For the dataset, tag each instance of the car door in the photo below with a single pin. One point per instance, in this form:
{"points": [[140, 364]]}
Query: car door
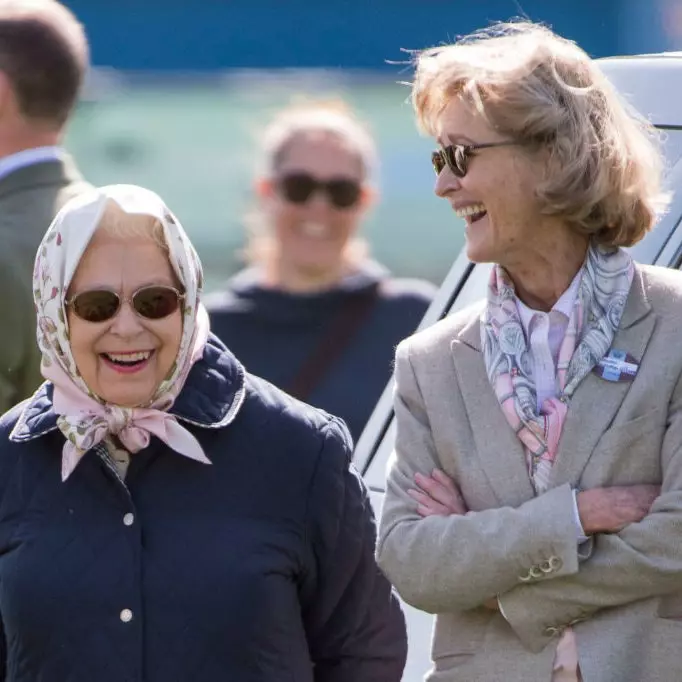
{"points": [[647, 83]]}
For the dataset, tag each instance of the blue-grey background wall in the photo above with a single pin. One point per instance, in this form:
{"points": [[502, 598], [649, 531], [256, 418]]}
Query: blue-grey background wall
{"points": [[219, 34]]}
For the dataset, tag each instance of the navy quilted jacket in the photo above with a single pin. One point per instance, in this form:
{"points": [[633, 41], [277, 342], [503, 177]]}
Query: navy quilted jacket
{"points": [[257, 568]]}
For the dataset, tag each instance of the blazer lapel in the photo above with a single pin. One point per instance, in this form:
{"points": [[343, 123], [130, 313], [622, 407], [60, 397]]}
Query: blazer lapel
{"points": [[500, 451], [596, 401]]}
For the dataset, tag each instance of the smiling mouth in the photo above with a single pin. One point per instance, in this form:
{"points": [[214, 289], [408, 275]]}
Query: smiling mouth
{"points": [[471, 213], [127, 361]]}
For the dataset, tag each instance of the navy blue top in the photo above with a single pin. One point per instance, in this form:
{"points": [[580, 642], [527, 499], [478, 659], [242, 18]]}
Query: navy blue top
{"points": [[273, 332], [256, 568]]}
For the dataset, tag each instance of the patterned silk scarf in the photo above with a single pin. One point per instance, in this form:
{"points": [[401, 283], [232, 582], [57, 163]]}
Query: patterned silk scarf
{"points": [[84, 418], [604, 287]]}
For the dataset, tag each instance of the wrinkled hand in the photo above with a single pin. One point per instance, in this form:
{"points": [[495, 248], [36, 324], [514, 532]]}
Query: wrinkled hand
{"points": [[609, 510], [437, 495]]}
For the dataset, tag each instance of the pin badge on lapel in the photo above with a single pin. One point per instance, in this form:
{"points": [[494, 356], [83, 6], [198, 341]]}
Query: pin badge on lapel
{"points": [[617, 365]]}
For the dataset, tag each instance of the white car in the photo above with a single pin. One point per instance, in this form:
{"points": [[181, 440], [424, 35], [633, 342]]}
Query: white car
{"points": [[653, 85]]}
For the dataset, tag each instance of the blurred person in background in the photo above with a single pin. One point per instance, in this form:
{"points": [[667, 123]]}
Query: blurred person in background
{"points": [[43, 61], [313, 313], [164, 515], [534, 500]]}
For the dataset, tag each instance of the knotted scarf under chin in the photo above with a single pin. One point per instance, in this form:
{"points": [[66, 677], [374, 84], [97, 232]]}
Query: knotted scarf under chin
{"points": [[85, 423]]}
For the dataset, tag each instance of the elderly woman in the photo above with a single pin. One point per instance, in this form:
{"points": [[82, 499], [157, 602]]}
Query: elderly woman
{"points": [[163, 514], [314, 313], [534, 501]]}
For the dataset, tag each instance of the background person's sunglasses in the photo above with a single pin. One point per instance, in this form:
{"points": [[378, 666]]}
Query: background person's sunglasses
{"points": [[100, 305], [297, 188], [456, 156]]}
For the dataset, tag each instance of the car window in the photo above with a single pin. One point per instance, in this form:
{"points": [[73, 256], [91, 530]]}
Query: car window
{"points": [[672, 145], [652, 249]]}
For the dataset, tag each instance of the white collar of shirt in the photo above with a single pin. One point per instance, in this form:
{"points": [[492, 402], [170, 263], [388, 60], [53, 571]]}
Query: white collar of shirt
{"points": [[28, 157], [564, 305]]}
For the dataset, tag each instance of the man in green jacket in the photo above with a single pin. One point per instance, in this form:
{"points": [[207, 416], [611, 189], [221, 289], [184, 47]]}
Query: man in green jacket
{"points": [[43, 60]]}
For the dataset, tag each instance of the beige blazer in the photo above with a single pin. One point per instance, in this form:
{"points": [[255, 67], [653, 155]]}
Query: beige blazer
{"points": [[623, 594]]}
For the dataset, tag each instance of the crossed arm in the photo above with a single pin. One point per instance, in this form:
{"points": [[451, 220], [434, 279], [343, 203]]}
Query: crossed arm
{"points": [[453, 559]]}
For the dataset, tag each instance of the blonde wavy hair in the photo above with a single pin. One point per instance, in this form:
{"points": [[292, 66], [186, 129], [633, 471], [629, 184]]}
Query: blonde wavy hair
{"points": [[330, 116], [604, 164]]}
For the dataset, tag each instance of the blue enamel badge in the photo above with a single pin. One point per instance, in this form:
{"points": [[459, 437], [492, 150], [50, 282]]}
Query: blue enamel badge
{"points": [[617, 365]]}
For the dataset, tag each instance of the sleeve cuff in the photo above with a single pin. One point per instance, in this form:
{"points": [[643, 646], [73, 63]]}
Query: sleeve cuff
{"points": [[579, 530], [499, 606]]}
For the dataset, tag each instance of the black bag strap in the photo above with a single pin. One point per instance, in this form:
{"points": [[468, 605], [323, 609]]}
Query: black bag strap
{"points": [[336, 338]]}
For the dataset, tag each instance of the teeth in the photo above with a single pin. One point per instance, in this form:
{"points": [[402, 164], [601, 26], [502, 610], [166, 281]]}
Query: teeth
{"points": [[316, 230], [129, 357], [473, 209]]}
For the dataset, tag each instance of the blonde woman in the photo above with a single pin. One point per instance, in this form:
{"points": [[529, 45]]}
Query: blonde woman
{"points": [[534, 502], [164, 515], [313, 314]]}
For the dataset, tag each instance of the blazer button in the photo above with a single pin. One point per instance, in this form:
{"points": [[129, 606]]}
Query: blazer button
{"points": [[536, 572], [555, 563], [126, 615]]}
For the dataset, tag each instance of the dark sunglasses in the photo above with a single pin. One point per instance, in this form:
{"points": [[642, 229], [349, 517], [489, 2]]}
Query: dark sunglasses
{"points": [[100, 305], [456, 156], [299, 187]]}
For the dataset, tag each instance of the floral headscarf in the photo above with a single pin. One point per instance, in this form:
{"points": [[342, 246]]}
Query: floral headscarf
{"points": [[84, 418]]}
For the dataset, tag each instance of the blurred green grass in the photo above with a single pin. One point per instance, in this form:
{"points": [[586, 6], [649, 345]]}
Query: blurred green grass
{"points": [[194, 140]]}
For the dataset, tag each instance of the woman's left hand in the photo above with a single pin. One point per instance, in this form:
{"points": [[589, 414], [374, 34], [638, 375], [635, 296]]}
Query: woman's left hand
{"points": [[437, 495]]}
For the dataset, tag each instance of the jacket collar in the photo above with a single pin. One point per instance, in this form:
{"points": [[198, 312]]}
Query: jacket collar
{"points": [[637, 306], [54, 172], [211, 397]]}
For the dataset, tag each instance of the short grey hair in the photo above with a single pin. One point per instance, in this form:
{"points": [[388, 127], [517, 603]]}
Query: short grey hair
{"points": [[117, 223]]}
